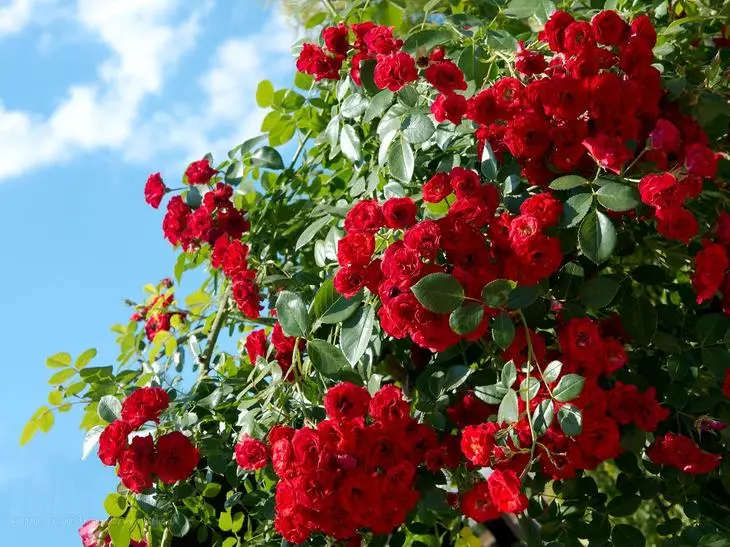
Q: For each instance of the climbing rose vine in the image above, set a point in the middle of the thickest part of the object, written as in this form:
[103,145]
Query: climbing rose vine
[492,281]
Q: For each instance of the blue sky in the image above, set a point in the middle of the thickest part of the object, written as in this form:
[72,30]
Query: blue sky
[95,95]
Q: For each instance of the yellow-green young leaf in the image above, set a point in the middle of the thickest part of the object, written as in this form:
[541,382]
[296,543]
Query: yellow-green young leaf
[75,388]
[238,520]
[225,522]
[176,321]
[45,420]
[158,342]
[197,301]
[85,358]
[64,407]
[55,397]
[170,346]
[28,432]
[115,505]
[59,360]
[120,532]
[61,376]
[265,93]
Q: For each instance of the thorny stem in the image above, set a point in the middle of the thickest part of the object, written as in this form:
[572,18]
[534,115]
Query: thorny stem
[215,331]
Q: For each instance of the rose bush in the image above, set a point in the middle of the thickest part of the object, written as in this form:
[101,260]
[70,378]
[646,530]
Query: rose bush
[492,279]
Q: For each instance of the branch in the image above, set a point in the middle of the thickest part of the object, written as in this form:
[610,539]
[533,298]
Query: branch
[215,331]
[328,4]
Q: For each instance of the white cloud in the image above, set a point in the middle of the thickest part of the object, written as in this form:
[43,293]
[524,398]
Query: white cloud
[16,16]
[229,114]
[146,39]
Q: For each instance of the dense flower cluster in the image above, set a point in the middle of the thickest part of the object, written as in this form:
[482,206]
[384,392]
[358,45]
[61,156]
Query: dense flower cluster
[156,312]
[350,472]
[682,452]
[232,257]
[470,243]
[712,264]
[173,458]
[283,352]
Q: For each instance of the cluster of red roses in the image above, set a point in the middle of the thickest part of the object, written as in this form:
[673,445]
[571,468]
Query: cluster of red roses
[216,222]
[514,247]
[348,473]
[172,459]
[682,452]
[712,263]
[284,346]
[394,68]
[155,314]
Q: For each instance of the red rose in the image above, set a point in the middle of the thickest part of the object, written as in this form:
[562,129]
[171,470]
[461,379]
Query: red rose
[450,106]
[256,345]
[477,503]
[609,28]
[660,190]
[643,30]
[722,228]
[336,39]
[144,404]
[356,249]
[465,182]
[555,30]
[176,457]
[200,172]
[251,454]
[529,62]
[387,406]
[528,136]
[366,216]
[600,439]
[445,76]
[245,293]
[113,441]
[154,190]
[628,405]
[522,229]
[346,401]
[437,188]
[504,488]
[380,40]
[665,136]
[682,452]
[578,38]
[700,161]
[564,98]
[136,462]
[399,213]
[279,432]
[710,266]
[726,384]
[174,225]
[401,264]
[677,223]
[483,108]
[349,281]
[235,259]
[544,207]
[477,443]
[314,61]
[424,238]
[395,71]
[609,152]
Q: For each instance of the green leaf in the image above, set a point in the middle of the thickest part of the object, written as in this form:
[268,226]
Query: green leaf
[439,292]
[543,417]
[356,333]
[353,106]
[598,292]
[292,314]
[401,161]
[711,328]
[626,535]
[350,143]
[179,525]
[522,296]
[489,163]
[568,182]
[492,395]
[61,376]
[529,388]
[90,440]
[85,358]
[326,358]
[330,307]
[467,318]
[496,293]
[115,505]
[597,237]
[509,408]
[265,94]
[639,318]
[378,104]
[267,157]
[569,387]
[570,420]
[109,408]
[503,331]
[575,209]
[509,374]
[624,505]
[120,532]
[524,9]
[418,128]
[311,230]
[29,431]
[615,196]
[59,360]
[367,76]
[552,371]
[45,419]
